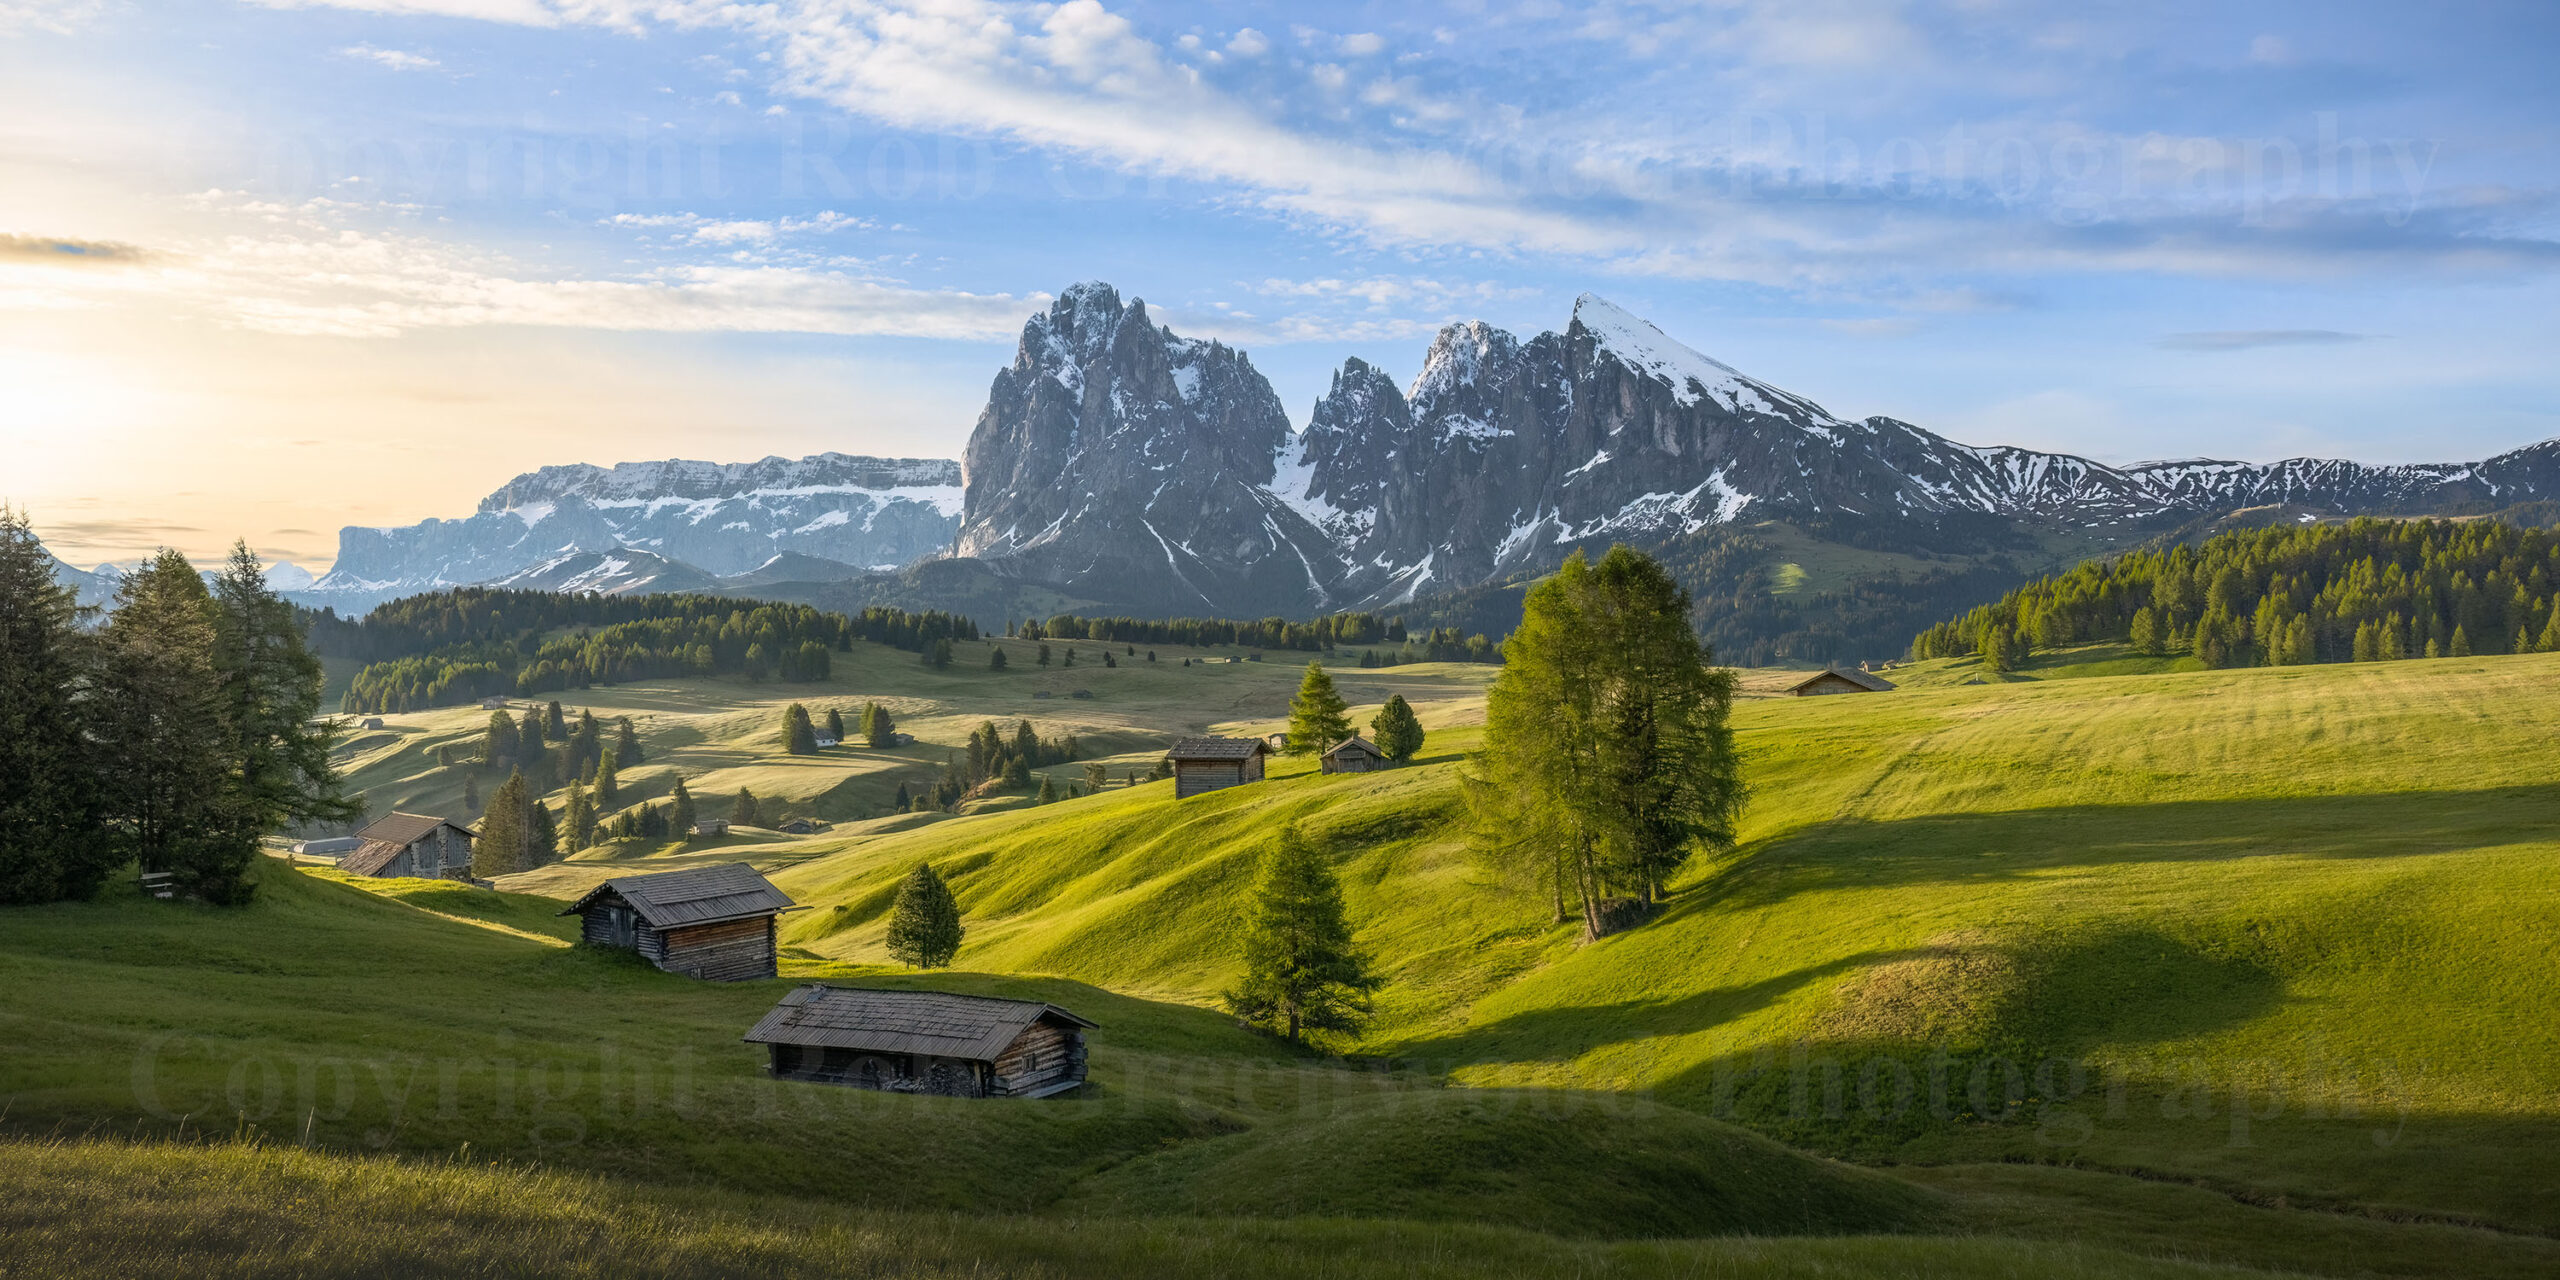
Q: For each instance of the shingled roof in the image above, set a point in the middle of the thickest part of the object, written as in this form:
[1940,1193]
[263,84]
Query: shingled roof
[932,1023]
[1864,680]
[405,829]
[697,895]
[1356,743]
[1218,748]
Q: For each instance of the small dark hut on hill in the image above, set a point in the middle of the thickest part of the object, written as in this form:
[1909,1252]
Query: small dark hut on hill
[924,1042]
[715,923]
[412,844]
[1840,680]
[1212,764]
[1354,754]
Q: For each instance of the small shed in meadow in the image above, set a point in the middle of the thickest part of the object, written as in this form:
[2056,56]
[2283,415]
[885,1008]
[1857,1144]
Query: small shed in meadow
[711,828]
[412,844]
[1839,680]
[1354,754]
[715,923]
[1213,764]
[370,722]
[923,1042]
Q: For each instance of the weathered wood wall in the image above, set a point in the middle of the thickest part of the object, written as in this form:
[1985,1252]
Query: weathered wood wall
[730,951]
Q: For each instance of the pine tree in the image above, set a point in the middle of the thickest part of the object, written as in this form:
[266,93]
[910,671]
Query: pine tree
[1048,791]
[53,797]
[799,737]
[542,834]
[500,850]
[578,818]
[835,724]
[1318,717]
[531,731]
[743,812]
[2368,645]
[924,925]
[901,802]
[555,723]
[1043,659]
[1017,773]
[680,815]
[626,745]
[1397,732]
[995,658]
[1301,971]
[880,730]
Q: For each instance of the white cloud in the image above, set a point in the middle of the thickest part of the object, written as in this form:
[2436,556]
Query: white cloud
[1249,43]
[54,17]
[396,59]
[1363,44]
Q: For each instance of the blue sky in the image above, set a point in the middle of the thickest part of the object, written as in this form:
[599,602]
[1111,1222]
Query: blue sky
[269,268]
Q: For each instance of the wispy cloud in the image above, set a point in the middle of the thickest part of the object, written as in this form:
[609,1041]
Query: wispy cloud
[2245,339]
[396,59]
[60,251]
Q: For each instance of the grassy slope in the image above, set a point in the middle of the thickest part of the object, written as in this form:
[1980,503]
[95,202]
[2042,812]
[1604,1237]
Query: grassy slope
[81,1210]
[2350,876]
[2315,890]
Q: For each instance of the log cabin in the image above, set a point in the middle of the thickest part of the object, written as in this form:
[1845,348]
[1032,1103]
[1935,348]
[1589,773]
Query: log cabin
[1354,754]
[923,1042]
[411,844]
[714,923]
[1214,764]
[1839,680]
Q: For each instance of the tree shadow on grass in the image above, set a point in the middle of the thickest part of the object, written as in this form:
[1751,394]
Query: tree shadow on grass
[1992,848]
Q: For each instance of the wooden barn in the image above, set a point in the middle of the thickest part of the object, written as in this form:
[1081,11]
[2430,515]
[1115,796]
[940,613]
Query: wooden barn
[412,844]
[1213,764]
[714,923]
[1839,680]
[1354,754]
[924,1042]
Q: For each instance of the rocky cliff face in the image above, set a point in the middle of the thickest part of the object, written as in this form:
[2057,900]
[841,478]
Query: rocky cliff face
[718,519]
[1117,459]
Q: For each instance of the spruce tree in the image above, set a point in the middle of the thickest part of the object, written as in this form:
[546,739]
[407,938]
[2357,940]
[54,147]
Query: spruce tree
[901,802]
[1301,972]
[578,818]
[995,659]
[680,815]
[531,731]
[1318,717]
[555,723]
[164,735]
[272,683]
[499,747]
[500,850]
[1048,793]
[924,925]
[607,781]
[626,744]
[799,737]
[542,833]
[1017,773]
[835,724]
[53,798]
[743,811]
[880,729]
[2461,642]
[1398,733]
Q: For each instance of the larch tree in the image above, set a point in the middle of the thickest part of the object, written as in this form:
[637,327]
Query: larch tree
[578,818]
[1608,760]
[1302,973]
[1396,731]
[924,924]
[1318,717]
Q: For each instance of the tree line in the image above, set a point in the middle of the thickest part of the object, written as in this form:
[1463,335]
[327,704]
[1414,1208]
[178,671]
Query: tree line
[479,642]
[174,736]
[2363,591]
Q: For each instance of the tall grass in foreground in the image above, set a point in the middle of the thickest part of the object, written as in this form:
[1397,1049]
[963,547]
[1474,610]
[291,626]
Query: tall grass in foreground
[97,1208]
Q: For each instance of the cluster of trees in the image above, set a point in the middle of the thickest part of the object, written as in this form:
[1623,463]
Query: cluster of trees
[1319,718]
[455,646]
[1331,631]
[1608,760]
[548,749]
[2367,590]
[175,735]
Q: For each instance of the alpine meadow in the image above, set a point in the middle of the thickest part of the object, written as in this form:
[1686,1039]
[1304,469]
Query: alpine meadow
[949,639]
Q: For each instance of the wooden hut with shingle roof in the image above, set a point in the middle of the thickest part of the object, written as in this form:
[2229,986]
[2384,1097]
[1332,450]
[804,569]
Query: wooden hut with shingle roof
[1840,680]
[1354,754]
[924,1042]
[715,923]
[1214,764]
[412,844]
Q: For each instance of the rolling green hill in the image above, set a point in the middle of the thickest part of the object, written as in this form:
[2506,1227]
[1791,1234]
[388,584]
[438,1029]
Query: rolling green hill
[2276,943]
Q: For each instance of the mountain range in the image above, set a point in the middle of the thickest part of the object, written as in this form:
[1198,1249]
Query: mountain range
[1118,465]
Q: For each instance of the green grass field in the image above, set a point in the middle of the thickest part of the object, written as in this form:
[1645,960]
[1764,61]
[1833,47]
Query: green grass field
[2247,969]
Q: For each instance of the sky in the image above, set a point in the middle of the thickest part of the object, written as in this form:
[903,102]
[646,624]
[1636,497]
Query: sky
[272,268]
